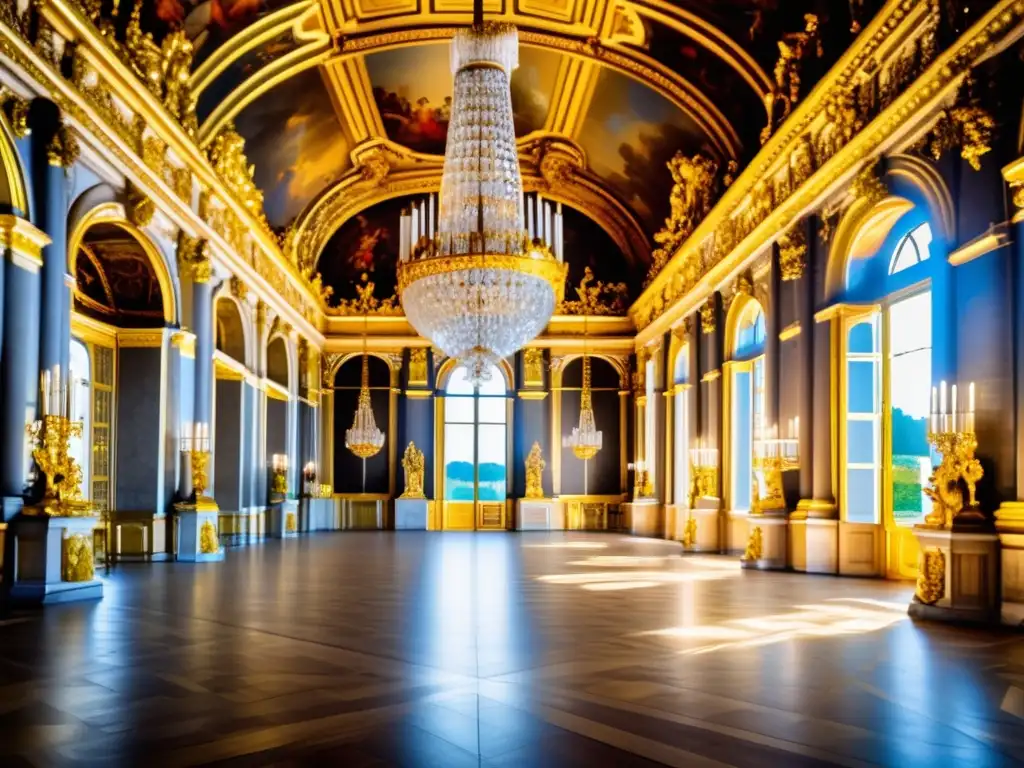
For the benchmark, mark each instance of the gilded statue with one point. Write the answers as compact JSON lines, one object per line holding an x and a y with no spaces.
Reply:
{"x":209,"y":544}
{"x":755,"y":546}
{"x":931,"y":577}
{"x":534,"y":473}
{"x":227,"y":155}
{"x":365,"y":302}
{"x":78,"y":560}
{"x":51,"y":437}
{"x":785,"y":93}
{"x":691,"y":198}
{"x":596,"y":297}
{"x":413,"y":465}
{"x":959,"y":469}
{"x":689,"y":539}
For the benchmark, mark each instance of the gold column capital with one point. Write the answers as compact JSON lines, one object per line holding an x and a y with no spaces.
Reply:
{"x":185,"y":341}
{"x":23,"y":241}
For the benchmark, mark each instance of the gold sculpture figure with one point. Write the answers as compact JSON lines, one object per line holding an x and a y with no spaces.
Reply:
{"x":413,"y":466}
{"x":690,"y":533}
{"x":755,"y":546}
{"x":931,"y":579}
{"x":534,"y":473}
{"x":78,"y":561}
{"x":958,"y":465}
{"x":208,"y":542}
{"x":199,"y":461}
{"x":62,"y":494}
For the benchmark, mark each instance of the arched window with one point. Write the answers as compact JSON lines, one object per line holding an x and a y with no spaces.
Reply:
{"x":747,"y":411}
{"x":475,"y":450}
{"x":681,"y":438}
{"x":750,"y":331}
{"x":912,"y":249}
{"x":78,"y":447}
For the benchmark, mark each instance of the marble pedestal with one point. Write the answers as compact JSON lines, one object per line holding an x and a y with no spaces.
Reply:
{"x":707,"y":516}
{"x":644,"y":518}
{"x":957,"y":576}
{"x":198,"y":539}
{"x":139,"y":536}
{"x":42,"y":571}
{"x":411,"y":514}
{"x":1010,"y":527}
{"x":814,"y":545}
{"x":318,"y":514}
{"x":539,"y":515}
{"x":283,"y":519}
{"x":774,"y":542}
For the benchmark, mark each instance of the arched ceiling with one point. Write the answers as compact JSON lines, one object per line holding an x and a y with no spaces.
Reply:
{"x":610,"y":89}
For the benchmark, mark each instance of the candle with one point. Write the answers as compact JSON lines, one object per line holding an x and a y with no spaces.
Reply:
{"x":796,"y":424}
{"x":970,"y":405}
{"x":954,"y":407}
{"x":942,"y":398}
{"x":45,"y":387}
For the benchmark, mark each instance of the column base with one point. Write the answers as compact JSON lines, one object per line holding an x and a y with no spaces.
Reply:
{"x":412,"y":514}
{"x":770,"y":552}
{"x":198,"y":540}
{"x":814,"y":538}
{"x":1010,"y":528}
{"x":139,"y":536}
{"x":53,"y":560}
{"x":644,"y":518}
{"x":283,"y":519}
{"x":958,"y":576}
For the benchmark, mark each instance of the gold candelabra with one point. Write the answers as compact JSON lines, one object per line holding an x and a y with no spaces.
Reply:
{"x":703,"y":473}
{"x":773,"y":456}
{"x":952,"y":434}
{"x":199,"y":461}
{"x":196,"y":445}
{"x":279,"y":475}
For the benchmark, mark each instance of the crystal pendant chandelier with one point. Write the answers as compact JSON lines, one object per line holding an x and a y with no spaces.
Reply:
{"x":585,"y":440}
{"x":363,"y":438}
{"x":484,"y":284}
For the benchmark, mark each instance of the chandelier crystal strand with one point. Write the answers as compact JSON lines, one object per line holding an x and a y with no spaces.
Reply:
{"x":586,"y":439}
{"x":482,"y":286}
{"x":364,"y":439}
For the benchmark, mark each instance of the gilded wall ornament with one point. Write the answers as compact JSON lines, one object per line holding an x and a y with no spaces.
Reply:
{"x":691,"y":199}
{"x":366,"y":303}
{"x":755,"y":546}
{"x":77,"y":558}
{"x":868,"y":186}
{"x":1017,"y":194}
{"x":414,"y":466}
{"x":793,"y":253}
{"x":227,"y":155}
{"x":194,"y":258}
{"x":535,"y":473}
{"x":969,"y":127}
{"x":62,"y":150}
{"x":330,"y":363}
{"x":238,"y":288}
{"x":208,"y":541}
{"x":931,"y":578}
{"x":138,"y":208}
{"x":794,"y":47}
{"x":743,"y":285}
{"x":596,"y":297}
{"x":707,"y":316}
{"x":418,"y":366}
{"x":16,"y":110}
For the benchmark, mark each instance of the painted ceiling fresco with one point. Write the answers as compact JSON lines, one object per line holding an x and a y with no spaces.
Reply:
{"x":367,"y":244}
{"x":629,"y":135}
{"x":293,"y":137}
{"x":115,"y":281}
{"x":412,"y":88}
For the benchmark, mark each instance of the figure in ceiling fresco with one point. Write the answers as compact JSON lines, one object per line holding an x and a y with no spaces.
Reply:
{"x":422,"y":126}
{"x":210,"y":22}
{"x":364,"y":248}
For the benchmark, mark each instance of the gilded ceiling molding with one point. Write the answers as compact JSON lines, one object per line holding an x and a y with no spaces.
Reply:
{"x":844,"y":111}
{"x":357,"y":110}
{"x":574,"y":90}
{"x":112,"y":126}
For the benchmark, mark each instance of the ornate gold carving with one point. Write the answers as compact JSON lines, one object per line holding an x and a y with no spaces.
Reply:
{"x":793,"y":49}
{"x":868,"y":186}
{"x":596,"y":297}
{"x":16,"y":109}
{"x":792,"y":253}
{"x":138,"y":208}
{"x":209,"y":544}
{"x":62,"y":150}
{"x":198,"y":462}
{"x":194,"y":258}
{"x":535,"y":473}
{"x":743,"y":285}
{"x":967,"y":125}
{"x":694,"y":180}
{"x":418,"y":366}
{"x":365,"y":302}
{"x":558,"y":161}
{"x":176,"y":69}
{"x":958,"y":467}
{"x":801,"y":164}
{"x":1017,"y":194}
{"x":330,"y":363}
{"x":707,"y":315}
{"x":51,"y":437}
{"x":238,"y":288}
{"x":374,"y":166}
{"x":414,"y":466}
{"x":77,"y":558}
{"x":689,"y":539}
{"x":533,"y":366}
{"x":931,"y":578}
{"x":227,"y":154}
{"x":755,"y":546}
{"x":291,"y":523}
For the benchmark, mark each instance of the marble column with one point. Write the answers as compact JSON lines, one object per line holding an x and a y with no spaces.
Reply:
{"x":22,"y":245}
{"x":202,"y":326}
{"x":805,"y":368}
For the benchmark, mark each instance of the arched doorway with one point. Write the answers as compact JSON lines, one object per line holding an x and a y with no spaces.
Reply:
{"x":681,"y":426}
{"x":123,"y":301}
{"x":476,"y":437}
{"x":233,"y":408}
{"x":348,"y":468}
{"x":601,"y":475}
{"x":278,"y":400}
{"x":744,"y":408}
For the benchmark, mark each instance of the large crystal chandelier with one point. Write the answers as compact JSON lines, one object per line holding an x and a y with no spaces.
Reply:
{"x":484,"y":284}
{"x":363,"y":438}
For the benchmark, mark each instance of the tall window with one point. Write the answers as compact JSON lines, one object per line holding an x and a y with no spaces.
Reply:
{"x":863,"y":419}
{"x":748,"y":402}
{"x":78,"y":447}
{"x":650,"y":427}
{"x":681,"y":438}
{"x":475,"y":438}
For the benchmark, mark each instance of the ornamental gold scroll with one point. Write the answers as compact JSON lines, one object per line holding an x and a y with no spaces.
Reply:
{"x":413,"y":465}
{"x":534,"y":473}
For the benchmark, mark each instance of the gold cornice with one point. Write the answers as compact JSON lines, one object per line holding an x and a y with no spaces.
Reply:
{"x":669,"y":297}
{"x":140,"y":338}
{"x":532,"y":394}
{"x":185,"y":342}
{"x":92,"y":331}
{"x":995,"y":238}
{"x":275,"y":391}
{"x":352,"y":94}
{"x":843,"y":309}
{"x":22,"y":241}
{"x":84,"y":116}
{"x":791,"y":331}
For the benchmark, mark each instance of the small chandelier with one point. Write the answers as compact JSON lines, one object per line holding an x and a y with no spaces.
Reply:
{"x":488,"y":279}
{"x":363,"y":438}
{"x":585,"y":440}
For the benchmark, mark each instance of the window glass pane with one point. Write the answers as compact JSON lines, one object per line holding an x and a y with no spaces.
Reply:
{"x":495,"y":385}
{"x":458,"y":461}
{"x":861,"y":386}
{"x":458,"y":384}
{"x":862,"y":495}
{"x":458,"y":409}
{"x":861,"y":437}
{"x":861,"y":339}
{"x":910,"y":324}
{"x":681,"y":375}
{"x":682,"y":449}
{"x":912,"y":249}
{"x":492,"y":462}
{"x":750,"y":334}
{"x":742,"y":443}
{"x":492,"y":410}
